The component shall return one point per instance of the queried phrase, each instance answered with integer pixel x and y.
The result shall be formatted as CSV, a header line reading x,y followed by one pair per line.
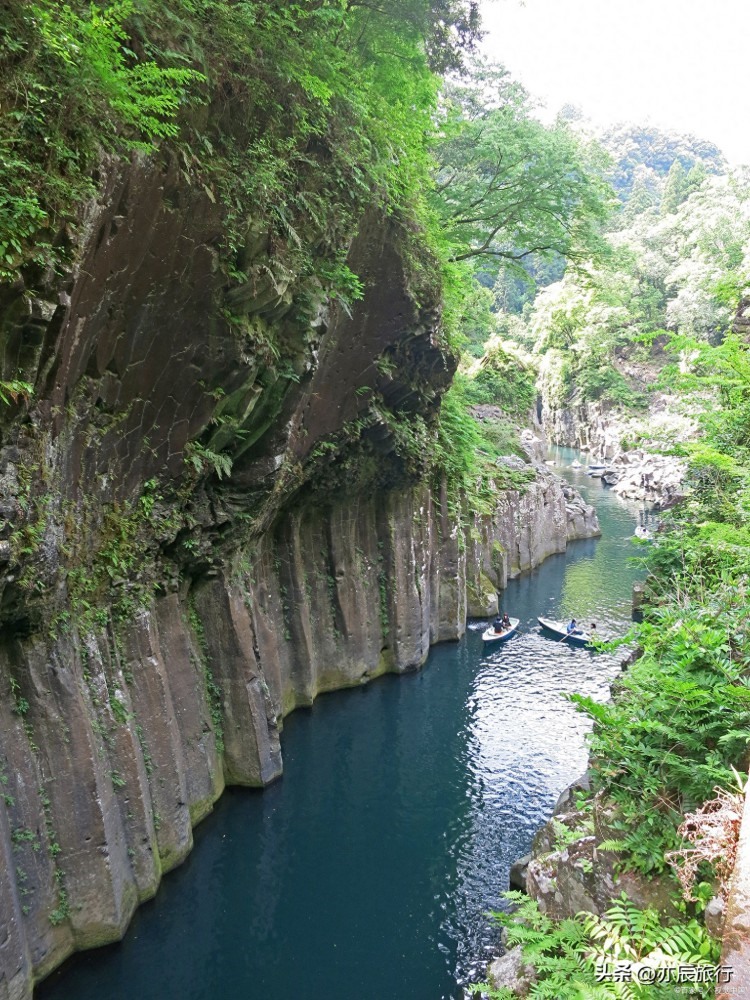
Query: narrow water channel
x,y
367,870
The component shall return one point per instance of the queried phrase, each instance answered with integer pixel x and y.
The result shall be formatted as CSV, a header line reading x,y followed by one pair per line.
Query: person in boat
x,y
501,623
572,627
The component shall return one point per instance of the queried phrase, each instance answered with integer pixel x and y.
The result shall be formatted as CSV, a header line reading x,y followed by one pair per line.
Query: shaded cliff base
x,y
116,743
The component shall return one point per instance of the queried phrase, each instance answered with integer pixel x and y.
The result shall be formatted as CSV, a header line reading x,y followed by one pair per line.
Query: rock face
x,y
586,426
656,479
511,972
567,872
634,473
580,877
526,528
115,744
213,509
607,433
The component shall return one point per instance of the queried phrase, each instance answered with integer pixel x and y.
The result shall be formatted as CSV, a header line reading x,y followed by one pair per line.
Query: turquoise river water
x,y
367,870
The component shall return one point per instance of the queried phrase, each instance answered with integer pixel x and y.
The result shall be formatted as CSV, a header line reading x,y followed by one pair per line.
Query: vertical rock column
x,y
252,755
404,534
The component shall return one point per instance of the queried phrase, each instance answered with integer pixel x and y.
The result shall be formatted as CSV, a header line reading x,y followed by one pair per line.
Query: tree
x,y
676,189
643,197
635,147
448,28
507,186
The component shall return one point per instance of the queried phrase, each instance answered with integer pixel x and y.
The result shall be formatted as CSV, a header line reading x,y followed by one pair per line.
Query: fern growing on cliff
x,y
14,390
204,460
71,86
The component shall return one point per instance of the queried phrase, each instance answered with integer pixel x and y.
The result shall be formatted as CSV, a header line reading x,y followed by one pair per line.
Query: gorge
x,y
270,585
402,805
290,297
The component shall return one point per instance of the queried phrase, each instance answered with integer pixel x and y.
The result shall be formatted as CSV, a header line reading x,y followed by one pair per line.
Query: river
x,y
367,870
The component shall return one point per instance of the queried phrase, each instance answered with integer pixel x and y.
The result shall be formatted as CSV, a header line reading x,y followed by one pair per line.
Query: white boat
x,y
490,635
643,533
560,629
575,464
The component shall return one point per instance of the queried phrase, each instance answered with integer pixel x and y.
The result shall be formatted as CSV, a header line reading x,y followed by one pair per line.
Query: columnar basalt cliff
x,y
214,509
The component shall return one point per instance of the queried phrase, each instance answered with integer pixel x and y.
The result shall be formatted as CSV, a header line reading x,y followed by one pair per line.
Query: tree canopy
x,y
508,187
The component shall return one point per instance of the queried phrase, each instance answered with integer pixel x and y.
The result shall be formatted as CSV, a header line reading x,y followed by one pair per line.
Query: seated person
x,y
498,624
572,628
506,620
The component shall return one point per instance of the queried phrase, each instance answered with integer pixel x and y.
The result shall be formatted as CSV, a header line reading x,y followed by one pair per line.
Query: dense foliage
x,y
507,186
505,379
676,269
571,957
644,155
680,725
313,111
69,88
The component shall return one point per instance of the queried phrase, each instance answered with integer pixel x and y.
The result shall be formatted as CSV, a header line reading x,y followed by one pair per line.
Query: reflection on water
x,y
367,870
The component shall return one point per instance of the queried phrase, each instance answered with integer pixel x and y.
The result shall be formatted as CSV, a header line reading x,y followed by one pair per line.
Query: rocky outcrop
x,y
579,876
509,971
587,426
608,435
656,479
607,432
567,872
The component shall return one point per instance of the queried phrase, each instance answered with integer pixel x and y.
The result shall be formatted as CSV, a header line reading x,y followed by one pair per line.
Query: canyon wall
x,y
217,504
115,743
612,438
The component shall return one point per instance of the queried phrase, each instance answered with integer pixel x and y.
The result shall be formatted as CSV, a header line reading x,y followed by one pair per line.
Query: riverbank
x,y
607,435
658,817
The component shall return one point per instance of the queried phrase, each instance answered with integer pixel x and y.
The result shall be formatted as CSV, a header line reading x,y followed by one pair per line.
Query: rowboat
x,y
490,635
560,629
